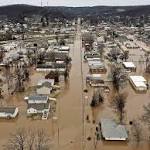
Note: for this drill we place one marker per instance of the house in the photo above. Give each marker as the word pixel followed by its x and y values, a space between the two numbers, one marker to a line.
pixel 129 66
pixel 138 82
pixel 91 56
pixel 8 112
pixel 38 105
pixel 42 109
pixel 96 66
pixel 51 67
pixel 94 80
pixel 64 49
pixel 44 89
pixel 111 131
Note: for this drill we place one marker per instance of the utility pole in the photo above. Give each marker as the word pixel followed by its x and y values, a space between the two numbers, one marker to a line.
pixel 41 3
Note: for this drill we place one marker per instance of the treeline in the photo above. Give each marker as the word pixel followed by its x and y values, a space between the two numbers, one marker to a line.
pixel 15 11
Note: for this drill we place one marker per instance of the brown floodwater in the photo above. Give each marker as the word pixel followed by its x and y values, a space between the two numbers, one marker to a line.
pixel 68 132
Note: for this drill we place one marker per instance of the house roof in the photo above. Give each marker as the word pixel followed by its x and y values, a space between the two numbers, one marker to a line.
pixel 39 106
pixel 96 63
pixel 137 78
pixel 37 99
pixel 129 64
pixel 113 131
pixel 64 48
pixel 10 110
pixel 52 65
pixel 46 82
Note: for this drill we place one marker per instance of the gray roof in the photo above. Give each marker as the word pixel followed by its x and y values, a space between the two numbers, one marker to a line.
pixel 9 110
pixel 46 84
pixel 39 106
pixel 38 97
pixel 113 131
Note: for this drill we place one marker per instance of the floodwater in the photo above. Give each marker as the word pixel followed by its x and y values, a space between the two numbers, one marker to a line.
pixel 70 131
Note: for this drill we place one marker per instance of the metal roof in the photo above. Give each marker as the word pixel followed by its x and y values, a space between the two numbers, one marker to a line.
pixel 10 110
pixel 38 106
pixel 129 64
pixel 113 131
pixel 38 98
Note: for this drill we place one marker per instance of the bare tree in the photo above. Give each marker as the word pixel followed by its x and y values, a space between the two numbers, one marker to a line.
pixel 146 115
pixel 31 140
pixel 97 98
pixel 126 55
pixel 137 132
pixel 146 119
pixel 118 77
pixel 118 104
pixel 17 140
pixel 101 49
pixel 1 96
pixel 147 57
pixel 42 140
pixel 24 139
pixel 114 54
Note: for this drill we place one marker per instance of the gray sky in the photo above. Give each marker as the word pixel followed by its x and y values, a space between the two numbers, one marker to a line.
pixel 76 2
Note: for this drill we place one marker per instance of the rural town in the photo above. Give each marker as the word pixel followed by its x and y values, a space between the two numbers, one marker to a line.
pixel 74 78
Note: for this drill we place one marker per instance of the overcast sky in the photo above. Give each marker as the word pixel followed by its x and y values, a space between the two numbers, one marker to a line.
pixel 76 2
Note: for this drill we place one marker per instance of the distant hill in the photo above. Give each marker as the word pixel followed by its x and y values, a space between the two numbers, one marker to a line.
pixel 13 11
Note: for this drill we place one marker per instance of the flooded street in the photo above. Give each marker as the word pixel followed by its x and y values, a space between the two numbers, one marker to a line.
pixel 70 104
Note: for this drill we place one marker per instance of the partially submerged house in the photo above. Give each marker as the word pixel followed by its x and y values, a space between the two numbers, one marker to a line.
pixel 8 112
pixel 95 80
pixel 138 82
pixel 129 66
pixel 38 105
pixel 38 108
pixel 45 86
pixel 52 66
pixel 88 56
pixel 111 131
pixel 64 49
pixel 96 66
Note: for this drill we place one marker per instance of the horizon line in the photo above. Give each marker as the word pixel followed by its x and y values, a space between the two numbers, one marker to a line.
pixel 77 6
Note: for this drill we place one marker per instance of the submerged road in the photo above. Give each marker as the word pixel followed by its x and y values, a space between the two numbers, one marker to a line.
pixel 70 105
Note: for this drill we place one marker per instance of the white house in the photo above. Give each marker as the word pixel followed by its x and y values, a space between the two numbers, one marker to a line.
pixel 64 49
pixel 39 109
pixel 8 112
pixel 129 66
